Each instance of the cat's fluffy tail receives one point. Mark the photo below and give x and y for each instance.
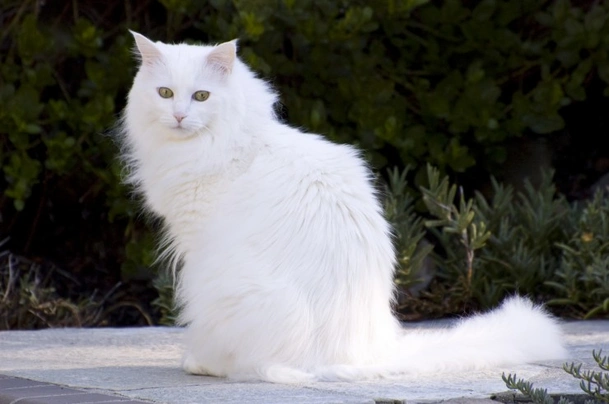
(515, 333)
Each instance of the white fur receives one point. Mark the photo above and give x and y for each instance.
(286, 260)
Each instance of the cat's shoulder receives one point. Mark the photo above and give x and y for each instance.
(294, 143)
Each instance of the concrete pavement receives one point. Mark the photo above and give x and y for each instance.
(130, 364)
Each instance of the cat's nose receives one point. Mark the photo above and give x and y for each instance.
(179, 116)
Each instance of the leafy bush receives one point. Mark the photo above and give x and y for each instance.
(408, 227)
(582, 278)
(531, 242)
(410, 82)
(446, 83)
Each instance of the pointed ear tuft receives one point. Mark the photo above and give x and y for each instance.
(145, 49)
(223, 56)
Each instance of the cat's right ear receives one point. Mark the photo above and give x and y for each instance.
(223, 56)
(146, 50)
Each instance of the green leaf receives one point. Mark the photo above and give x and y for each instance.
(595, 18)
(484, 10)
(543, 124)
(545, 19)
(31, 43)
(19, 204)
(33, 128)
(574, 27)
(87, 38)
(254, 25)
(603, 71)
(475, 72)
(561, 10)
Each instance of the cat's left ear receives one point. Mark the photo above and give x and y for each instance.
(148, 52)
(223, 56)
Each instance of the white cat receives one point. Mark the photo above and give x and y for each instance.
(286, 262)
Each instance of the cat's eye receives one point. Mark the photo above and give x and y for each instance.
(165, 92)
(201, 95)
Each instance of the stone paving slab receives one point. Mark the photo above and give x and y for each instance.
(143, 364)
(25, 391)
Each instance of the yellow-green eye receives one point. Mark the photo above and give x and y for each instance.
(165, 92)
(201, 95)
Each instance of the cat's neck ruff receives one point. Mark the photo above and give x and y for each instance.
(201, 162)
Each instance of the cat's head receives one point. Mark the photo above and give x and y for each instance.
(181, 89)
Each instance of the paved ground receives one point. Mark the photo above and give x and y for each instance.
(127, 365)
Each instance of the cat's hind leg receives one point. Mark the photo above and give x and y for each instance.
(274, 373)
(193, 367)
(285, 375)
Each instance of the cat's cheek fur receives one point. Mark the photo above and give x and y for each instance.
(286, 259)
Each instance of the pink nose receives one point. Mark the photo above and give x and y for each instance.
(179, 116)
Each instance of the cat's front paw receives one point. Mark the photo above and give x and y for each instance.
(191, 366)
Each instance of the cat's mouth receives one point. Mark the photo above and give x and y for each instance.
(182, 132)
(181, 129)
(178, 126)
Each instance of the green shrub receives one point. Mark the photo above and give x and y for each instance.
(164, 284)
(408, 227)
(531, 242)
(446, 83)
(582, 279)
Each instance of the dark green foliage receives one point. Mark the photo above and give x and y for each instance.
(531, 242)
(457, 224)
(525, 228)
(164, 284)
(446, 83)
(411, 82)
(595, 384)
(582, 278)
(408, 227)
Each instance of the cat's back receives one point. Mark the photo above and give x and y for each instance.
(305, 209)
(298, 177)
(292, 156)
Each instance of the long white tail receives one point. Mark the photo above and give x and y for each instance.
(517, 332)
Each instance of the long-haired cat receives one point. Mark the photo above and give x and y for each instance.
(286, 261)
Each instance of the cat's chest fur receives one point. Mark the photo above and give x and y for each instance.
(187, 183)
